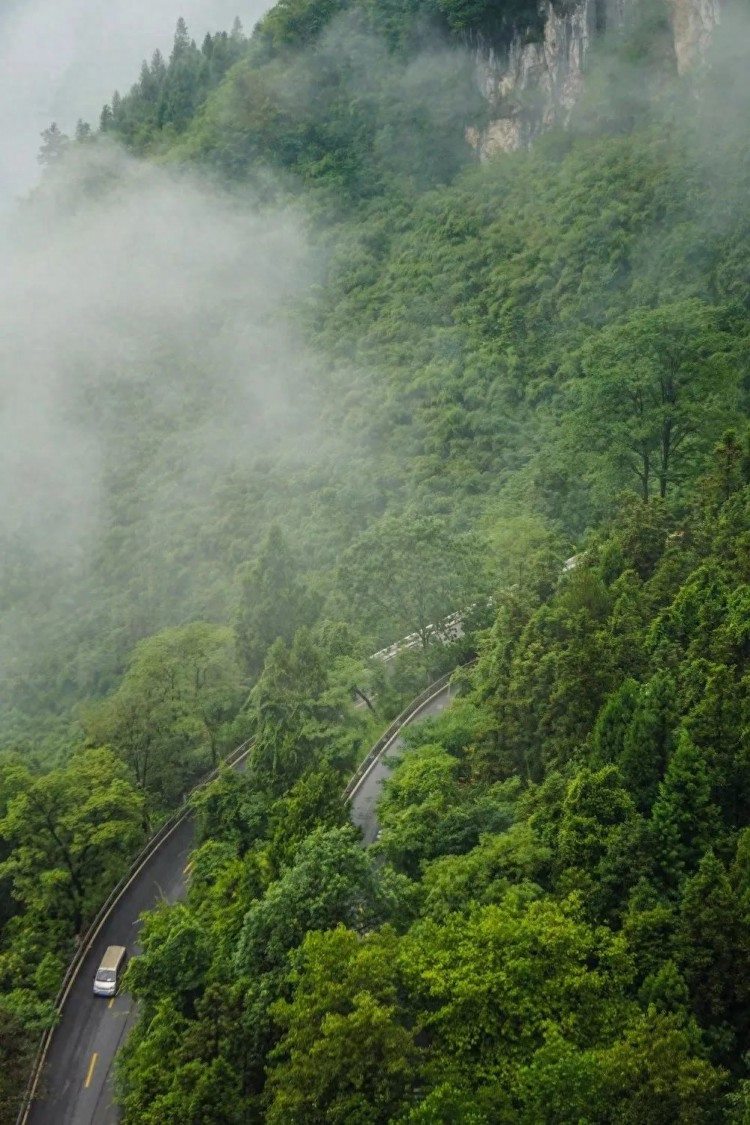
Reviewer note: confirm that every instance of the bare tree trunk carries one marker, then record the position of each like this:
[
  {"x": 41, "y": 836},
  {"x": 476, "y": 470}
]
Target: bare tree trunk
[
  {"x": 363, "y": 697},
  {"x": 666, "y": 456}
]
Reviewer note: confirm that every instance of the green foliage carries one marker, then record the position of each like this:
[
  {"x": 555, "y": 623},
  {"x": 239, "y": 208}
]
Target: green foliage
[
  {"x": 648, "y": 741},
  {"x": 713, "y": 946},
  {"x": 495, "y": 20},
  {"x": 654, "y": 1073},
  {"x": 331, "y": 880},
  {"x": 170, "y": 93},
  {"x": 494, "y": 982},
  {"x": 684, "y": 818},
  {"x": 484, "y": 874},
  {"x": 344, "y": 1054},
  {"x": 427, "y": 810},
  {"x": 175, "y": 958},
  {"x": 658, "y": 383},
  {"x": 21, "y": 1022},
  {"x": 274, "y": 602},
  {"x": 301, "y": 720},
  {"x": 412, "y": 568},
  {"x": 66, "y": 837},
  {"x": 512, "y": 361},
  {"x": 511, "y": 945},
  {"x": 295, "y": 23},
  {"x": 467, "y": 338},
  {"x": 69, "y": 830},
  {"x": 231, "y": 809},
  {"x": 314, "y": 800},
  {"x": 168, "y": 719}
]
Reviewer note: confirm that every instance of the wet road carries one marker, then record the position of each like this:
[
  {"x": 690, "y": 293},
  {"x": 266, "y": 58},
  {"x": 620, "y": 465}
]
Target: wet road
[
  {"x": 76, "y": 1086},
  {"x": 365, "y": 797}
]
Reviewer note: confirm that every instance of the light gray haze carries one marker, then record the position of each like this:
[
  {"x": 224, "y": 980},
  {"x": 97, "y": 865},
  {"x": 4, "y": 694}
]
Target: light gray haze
[
  {"x": 145, "y": 356},
  {"x": 61, "y": 59}
]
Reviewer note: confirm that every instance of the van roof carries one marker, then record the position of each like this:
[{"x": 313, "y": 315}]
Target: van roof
[{"x": 112, "y": 957}]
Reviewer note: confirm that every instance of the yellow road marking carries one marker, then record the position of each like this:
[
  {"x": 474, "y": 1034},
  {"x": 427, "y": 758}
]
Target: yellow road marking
[
  {"x": 90, "y": 1074},
  {"x": 111, "y": 1002},
  {"x": 187, "y": 868}
]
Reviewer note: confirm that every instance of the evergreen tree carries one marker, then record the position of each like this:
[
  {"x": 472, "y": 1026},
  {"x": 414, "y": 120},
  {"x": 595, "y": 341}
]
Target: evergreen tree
[
  {"x": 728, "y": 473},
  {"x": 83, "y": 132},
  {"x": 595, "y": 804},
  {"x": 648, "y": 740},
  {"x": 158, "y": 68},
  {"x": 648, "y": 924},
  {"x": 274, "y": 602},
  {"x": 54, "y": 145},
  {"x": 684, "y": 819},
  {"x": 601, "y": 847},
  {"x": 614, "y": 721},
  {"x": 713, "y": 947},
  {"x": 299, "y": 721},
  {"x": 117, "y": 110},
  {"x": 182, "y": 41},
  {"x": 716, "y": 724}
]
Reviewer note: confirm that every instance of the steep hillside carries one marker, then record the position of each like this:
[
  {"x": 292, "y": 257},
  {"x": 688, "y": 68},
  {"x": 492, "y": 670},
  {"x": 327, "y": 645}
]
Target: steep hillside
[
  {"x": 555, "y": 927},
  {"x": 301, "y": 374},
  {"x": 454, "y": 303}
]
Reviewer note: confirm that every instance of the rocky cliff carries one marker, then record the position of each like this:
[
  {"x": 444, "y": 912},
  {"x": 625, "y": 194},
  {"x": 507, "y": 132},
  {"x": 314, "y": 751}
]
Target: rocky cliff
[
  {"x": 693, "y": 22},
  {"x": 533, "y": 85}
]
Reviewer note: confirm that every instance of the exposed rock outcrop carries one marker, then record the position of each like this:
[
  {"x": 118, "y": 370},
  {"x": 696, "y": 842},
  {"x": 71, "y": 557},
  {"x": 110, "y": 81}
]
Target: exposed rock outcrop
[
  {"x": 693, "y": 22},
  {"x": 531, "y": 86}
]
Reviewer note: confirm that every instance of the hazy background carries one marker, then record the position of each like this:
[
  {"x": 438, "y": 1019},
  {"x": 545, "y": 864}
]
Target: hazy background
[
  {"x": 159, "y": 407},
  {"x": 61, "y": 60},
  {"x": 146, "y": 360}
]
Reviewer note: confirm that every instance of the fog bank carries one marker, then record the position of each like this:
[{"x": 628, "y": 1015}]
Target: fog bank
[
  {"x": 61, "y": 60},
  {"x": 146, "y": 354}
]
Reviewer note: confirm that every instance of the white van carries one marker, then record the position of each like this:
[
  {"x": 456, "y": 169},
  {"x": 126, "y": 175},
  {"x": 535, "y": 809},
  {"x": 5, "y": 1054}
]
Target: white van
[{"x": 110, "y": 970}]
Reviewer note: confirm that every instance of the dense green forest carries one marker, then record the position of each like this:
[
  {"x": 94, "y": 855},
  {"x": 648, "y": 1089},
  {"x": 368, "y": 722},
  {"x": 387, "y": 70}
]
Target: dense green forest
[
  {"x": 495, "y": 366},
  {"x": 554, "y": 925}
]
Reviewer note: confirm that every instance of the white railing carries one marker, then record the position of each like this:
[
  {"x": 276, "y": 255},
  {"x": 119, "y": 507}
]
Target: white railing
[{"x": 164, "y": 832}]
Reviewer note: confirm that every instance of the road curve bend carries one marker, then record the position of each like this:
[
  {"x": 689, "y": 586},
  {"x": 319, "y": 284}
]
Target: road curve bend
[{"x": 76, "y": 1083}]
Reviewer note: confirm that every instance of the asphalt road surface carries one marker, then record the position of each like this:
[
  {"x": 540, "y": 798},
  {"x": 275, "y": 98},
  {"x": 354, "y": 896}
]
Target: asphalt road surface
[
  {"x": 76, "y": 1085},
  {"x": 365, "y": 797}
]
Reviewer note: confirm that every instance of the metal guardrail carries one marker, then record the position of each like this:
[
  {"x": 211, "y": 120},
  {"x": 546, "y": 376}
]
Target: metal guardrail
[
  {"x": 449, "y": 630},
  {"x": 88, "y": 939},
  {"x": 166, "y": 830},
  {"x": 388, "y": 735}
]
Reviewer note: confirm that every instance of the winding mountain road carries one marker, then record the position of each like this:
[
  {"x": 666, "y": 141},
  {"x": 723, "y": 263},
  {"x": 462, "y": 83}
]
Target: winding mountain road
[{"x": 76, "y": 1083}]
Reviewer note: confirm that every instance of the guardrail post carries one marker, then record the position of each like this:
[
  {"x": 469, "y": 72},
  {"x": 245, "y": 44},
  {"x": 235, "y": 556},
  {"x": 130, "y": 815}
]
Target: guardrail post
[{"x": 152, "y": 846}]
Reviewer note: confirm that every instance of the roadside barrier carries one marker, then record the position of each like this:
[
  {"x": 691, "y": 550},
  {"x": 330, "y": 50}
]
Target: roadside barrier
[
  {"x": 165, "y": 831},
  {"x": 381, "y": 746},
  {"x": 147, "y": 852}
]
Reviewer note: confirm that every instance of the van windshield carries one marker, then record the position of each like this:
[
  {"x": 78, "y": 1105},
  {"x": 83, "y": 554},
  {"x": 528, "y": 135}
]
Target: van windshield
[{"x": 105, "y": 975}]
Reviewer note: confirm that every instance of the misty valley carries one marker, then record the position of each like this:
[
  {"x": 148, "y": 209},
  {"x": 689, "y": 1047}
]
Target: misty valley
[{"x": 415, "y": 328}]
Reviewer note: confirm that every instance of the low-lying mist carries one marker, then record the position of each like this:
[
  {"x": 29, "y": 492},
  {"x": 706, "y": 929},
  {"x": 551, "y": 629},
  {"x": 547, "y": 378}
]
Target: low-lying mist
[
  {"x": 160, "y": 404},
  {"x": 61, "y": 59},
  {"x": 146, "y": 349}
]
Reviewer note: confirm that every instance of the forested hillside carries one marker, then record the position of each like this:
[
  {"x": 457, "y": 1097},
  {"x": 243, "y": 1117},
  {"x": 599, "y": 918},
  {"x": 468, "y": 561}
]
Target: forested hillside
[
  {"x": 555, "y": 924},
  {"x": 335, "y": 380}
]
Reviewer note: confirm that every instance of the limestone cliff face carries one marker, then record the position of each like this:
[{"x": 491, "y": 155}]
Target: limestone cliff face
[
  {"x": 533, "y": 85},
  {"x": 693, "y": 22}
]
